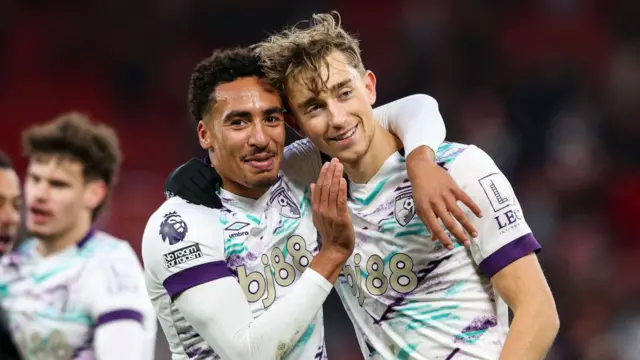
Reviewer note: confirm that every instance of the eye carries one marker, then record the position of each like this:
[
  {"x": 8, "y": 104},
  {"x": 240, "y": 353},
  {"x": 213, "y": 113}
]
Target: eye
[
  {"x": 58, "y": 184},
  {"x": 312, "y": 108},
  {"x": 237, "y": 122},
  {"x": 272, "y": 119},
  {"x": 345, "y": 94},
  {"x": 17, "y": 204}
]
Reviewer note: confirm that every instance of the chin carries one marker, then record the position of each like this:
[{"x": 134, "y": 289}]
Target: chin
[
  {"x": 40, "y": 232},
  {"x": 264, "y": 180},
  {"x": 351, "y": 156}
]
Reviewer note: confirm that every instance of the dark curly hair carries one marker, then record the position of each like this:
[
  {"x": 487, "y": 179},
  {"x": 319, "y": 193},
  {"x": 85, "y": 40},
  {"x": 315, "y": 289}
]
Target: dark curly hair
[
  {"x": 74, "y": 136},
  {"x": 223, "y": 66}
]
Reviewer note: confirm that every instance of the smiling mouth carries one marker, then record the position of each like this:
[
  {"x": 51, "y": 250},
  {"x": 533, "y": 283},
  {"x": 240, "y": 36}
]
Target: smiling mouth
[
  {"x": 259, "y": 157},
  {"x": 345, "y": 135},
  {"x": 261, "y": 162}
]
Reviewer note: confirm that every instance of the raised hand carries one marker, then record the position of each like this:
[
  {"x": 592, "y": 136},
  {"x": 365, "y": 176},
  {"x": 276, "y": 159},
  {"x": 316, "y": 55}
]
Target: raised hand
[{"x": 329, "y": 206}]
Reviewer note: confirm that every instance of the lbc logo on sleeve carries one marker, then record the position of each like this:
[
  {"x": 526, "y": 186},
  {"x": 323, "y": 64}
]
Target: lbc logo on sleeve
[
  {"x": 507, "y": 212},
  {"x": 497, "y": 190}
]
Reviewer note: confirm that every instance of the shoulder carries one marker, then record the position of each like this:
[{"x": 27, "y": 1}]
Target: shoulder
[
  {"x": 176, "y": 218},
  {"x": 106, "y": 247},
  {"x": 448, "y": 152},
  {"x": 178, "y": 228},
  {"x": 300, "y": 146},
  {"x": 469, "y": 162}
]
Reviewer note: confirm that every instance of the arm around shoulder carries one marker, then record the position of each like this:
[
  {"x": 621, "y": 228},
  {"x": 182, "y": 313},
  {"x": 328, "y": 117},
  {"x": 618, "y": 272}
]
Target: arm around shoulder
[{"x": 415, "y": 119}]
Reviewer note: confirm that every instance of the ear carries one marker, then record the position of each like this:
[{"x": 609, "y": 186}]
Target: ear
[
  {"x": 94, "y": 194},
  {"x": 290, "y": 120},
  {"x": 204, "y": 135},
  {"x": 370, "y": 84}
]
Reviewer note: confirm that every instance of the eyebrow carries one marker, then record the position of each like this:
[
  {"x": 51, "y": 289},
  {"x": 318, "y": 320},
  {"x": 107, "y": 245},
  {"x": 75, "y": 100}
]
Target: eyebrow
[
  {"x": 335, "y": 87},
  {"x": 247, "y": 114}
]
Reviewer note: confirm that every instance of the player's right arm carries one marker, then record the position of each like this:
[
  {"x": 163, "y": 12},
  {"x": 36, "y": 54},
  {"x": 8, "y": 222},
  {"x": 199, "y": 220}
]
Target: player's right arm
[{"x": 191, "y": 267}]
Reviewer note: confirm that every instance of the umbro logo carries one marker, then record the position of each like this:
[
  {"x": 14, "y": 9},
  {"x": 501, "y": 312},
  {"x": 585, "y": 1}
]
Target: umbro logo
[{"x": 236, "y": 227}]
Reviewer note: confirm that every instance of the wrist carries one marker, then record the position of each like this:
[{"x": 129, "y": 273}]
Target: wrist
[
  {"x": 335, "y": 254},
  {"x": 421, "y": 153},
  {"x": 329, "y": 263},
  {"x": 421, "y": 159}
]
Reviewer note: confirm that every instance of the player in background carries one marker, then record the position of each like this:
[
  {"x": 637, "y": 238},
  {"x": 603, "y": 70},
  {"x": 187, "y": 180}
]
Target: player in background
[
  {"x": 406, "y": 295},
  {"x": 70, "y": 291},
  {"x": 10, "y": 207},
  {"x": 10, "y": 204},
  {"x": 247, "y": 286}
]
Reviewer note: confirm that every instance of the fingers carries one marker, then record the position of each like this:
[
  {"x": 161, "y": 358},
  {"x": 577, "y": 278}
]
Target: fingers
[
  {"x": 466, "y": 199},
  {"x": 442, "y": 211},
  {"x": 326, "y": 187},
  {"x": 336, "y": 168},
  {"x": 459, "y": 215},
  {"x": 342, "y": 198},
  {"x": 429, "y": 218},
  {"x": 316, "y": 190}
]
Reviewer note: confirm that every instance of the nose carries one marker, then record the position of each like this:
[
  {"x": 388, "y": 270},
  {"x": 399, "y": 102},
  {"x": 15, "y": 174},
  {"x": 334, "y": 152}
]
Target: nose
[
  {"x": 258, "y": 136},
  {"x": 338, "y": 118}
]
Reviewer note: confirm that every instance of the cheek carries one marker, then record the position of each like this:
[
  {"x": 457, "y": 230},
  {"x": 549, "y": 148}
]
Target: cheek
[
  {"x": 29, "y": 193},
  {"x": 227, "y": 149},
  {"x": 67, "y": 201},
  {"x": 278, "y": 135},
  {"x": 314, "y": 128}
]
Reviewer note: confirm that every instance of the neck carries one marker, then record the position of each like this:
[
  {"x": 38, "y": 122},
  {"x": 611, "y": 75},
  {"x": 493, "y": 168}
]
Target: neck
[
  {"x": 58, "y": 243},
  {"x": 241, "y": 190},
  {"x": 362, "y": 170},
  {"x": 235, "y": 187}
]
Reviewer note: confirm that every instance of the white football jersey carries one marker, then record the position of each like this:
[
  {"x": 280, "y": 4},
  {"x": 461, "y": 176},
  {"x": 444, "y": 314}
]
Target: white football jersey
[
  {"x": 55, "y": 303},
  {"x": 410, "y": 298},
  {"x": 265, "y": 244}
]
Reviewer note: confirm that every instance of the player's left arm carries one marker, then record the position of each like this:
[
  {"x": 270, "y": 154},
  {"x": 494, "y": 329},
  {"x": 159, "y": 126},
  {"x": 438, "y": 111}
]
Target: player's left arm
[
  {"x": 120, "y": 307},
  {"x": 416, "y": 120},
  {"x": 535, "y": 324},
  {"x": 505, "y": 252}
]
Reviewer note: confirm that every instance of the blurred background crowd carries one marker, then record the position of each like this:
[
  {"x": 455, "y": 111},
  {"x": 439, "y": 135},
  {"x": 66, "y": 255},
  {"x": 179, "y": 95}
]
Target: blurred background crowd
[{"x": 549, "y": 88}]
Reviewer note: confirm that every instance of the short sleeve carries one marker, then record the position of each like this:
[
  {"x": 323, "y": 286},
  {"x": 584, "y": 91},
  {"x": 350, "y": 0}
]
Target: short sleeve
[
  {"x": 182, "y": 246},
  {"x": 114, "y": 287},
  {"x": 504, "y": 235},
  {"x": 302, "y": 161}
]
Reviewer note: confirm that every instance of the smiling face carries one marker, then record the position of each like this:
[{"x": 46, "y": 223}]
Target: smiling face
[
  {"x": 339, "y": 118},
  {"x": 245, "y": 134}
]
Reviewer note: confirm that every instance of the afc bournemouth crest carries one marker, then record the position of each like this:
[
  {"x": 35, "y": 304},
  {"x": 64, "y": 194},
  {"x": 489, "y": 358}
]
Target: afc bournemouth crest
[
  {"x": 404, "y": 208},
  {"x": 284, "y": 203}
]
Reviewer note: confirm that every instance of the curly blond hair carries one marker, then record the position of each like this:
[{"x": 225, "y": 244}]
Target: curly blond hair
[{"x": 300, "y": 55}]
